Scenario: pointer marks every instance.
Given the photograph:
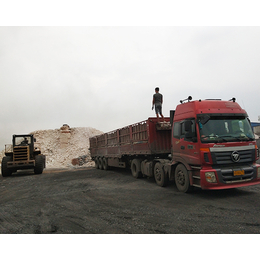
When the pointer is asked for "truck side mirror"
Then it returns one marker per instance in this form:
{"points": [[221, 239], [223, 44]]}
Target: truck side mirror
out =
{"points": [[34, 139]]}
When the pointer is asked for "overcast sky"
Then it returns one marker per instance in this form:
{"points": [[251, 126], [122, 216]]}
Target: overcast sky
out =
{"points": [[104, 77]]}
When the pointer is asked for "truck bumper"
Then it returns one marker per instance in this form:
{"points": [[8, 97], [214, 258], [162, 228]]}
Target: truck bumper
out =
{"points": [[226, 178]]}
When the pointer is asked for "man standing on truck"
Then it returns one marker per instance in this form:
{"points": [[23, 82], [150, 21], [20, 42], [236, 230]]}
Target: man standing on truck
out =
{"points": [[157, 102]]}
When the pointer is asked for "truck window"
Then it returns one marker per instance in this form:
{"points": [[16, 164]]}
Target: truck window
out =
{"points": [[189, 130], [180, 130], [177, 130], [225, 129]]}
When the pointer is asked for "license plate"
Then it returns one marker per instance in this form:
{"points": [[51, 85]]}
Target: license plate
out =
{"points": [[238, 173]]}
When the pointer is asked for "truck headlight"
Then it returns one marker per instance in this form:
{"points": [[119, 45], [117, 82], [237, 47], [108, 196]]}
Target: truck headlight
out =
{"points": [[211, 177], [258, 172]]}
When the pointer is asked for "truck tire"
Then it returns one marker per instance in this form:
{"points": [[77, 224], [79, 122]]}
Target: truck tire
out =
{"points": [[96, 163], [5, 171], [182, 180], [136, 168], [100, 164], [39, 164], [159, 175], [105, 164]]}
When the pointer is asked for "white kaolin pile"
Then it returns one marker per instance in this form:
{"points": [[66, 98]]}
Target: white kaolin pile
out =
{"points": [[65, 147]]}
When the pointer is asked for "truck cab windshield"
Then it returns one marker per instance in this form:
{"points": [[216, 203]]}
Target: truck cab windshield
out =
{"points": [[218, 129]]}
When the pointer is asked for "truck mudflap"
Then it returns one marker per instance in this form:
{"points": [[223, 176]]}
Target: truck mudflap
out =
{"points": [[21, 164]]}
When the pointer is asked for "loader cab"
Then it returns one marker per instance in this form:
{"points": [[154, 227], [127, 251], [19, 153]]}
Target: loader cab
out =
{"points": [[24, 141]]}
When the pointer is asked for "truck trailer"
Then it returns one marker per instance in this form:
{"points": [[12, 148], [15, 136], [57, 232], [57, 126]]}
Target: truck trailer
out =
{"points": [[208, 144]]}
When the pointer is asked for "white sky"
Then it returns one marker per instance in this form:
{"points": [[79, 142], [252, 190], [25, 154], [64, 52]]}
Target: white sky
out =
{"points": [[104, 76]]}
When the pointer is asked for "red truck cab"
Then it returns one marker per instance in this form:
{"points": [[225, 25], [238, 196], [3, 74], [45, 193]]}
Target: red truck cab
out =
{"points": [[213, 146]]}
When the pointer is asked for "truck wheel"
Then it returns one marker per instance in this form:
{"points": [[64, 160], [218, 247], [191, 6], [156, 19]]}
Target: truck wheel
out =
{"points": [[182, 179], [96, 163], [105, 164], [5, 171], [39, 164], [100, 164], [159, 175], [136, 168]]}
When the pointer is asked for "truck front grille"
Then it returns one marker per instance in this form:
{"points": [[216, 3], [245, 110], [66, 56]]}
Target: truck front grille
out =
{"points": [[21, 153], [246, 156]]}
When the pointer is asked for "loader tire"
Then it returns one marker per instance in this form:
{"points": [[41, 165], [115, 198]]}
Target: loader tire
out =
{"points": [[5, 171], [39, 164]]}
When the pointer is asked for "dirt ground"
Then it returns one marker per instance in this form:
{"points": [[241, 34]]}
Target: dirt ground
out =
{"points": [[90, 201]]}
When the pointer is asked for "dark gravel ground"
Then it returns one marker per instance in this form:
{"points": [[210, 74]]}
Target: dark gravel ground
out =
{"points": [[90, 201]]}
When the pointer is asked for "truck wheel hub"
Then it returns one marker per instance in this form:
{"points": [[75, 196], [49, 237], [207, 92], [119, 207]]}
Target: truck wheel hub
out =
{"points": [[180, 178]]}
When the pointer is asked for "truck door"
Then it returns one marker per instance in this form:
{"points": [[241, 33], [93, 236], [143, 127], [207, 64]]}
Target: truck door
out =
{"points": [[185, 141]]}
